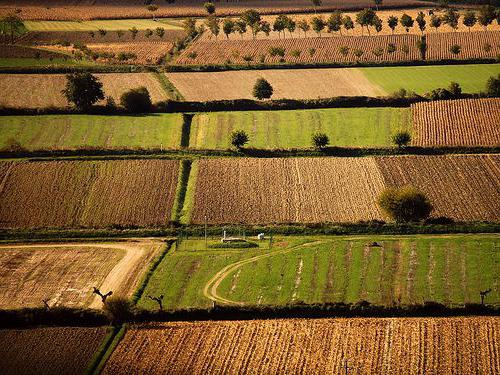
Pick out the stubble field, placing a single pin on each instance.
(61, 350)
(87, 193)
(312, 346)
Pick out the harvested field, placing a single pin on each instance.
(61, 10)
(312, 346)
(146, 52)
(289, 84)
(43, 90)
(108, 25)
(280, 190)
(480, 45)
(13, 51)
(62, 350)
(310, 50)
(462, 187)
(88, 193)
(465, 122)
(65, 274)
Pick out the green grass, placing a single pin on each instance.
(408, 269)
(76, 131)
(108, 25)
(421, 79)
(350, 127)
(43, 62)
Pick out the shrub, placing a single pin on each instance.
(378, 52)
(391, 48)
(262, 89)
(405, 204)
(296, 52)
(136, 100)
(239, 138)
(455, 49)
(455, 89)
(439, 94)
(320, 140)
(277, 51)
(311, 51)
(233, 245)
(493, 86)
(401, 139)
(118, 309)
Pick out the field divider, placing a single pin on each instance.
(168, 86)
(187, 120)
(180, 192)
(112, 343)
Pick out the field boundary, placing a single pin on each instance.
(168, 86)
(101, 351)
(117, 337)
(180, 194)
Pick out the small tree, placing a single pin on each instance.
(320, 141)
(209, 7)
(391, 48)
(377, 24)
(213, 24)
(241, 27)
(262, 89)
(365, 19)
(469, 19)
(451, 18)
(401, 139)
(118, 309)
(133, 31)
(228, 27)
(304, 26)
(189, 26)
(318, 24)
(392, 21)
(405, 204)
(348, 23)
(421, 22)
(406, 22)
(455, 49)
(136, 100)
(344, 50)
(12, 25)
(493, 86)
(239, 138)
(148, 33)
(252, 19)
(358, 53)
(436, 22)
(377, 3)
(279, 24)
(290, 25)
(334, 22)
(152, 8)
(160, 32)
(455, 89)
(486, 16)
(102, 32)
(422, 46)
(120, 33)
(83, 90)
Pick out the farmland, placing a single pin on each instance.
(312, 346)
(44, 90)
(83, 131)
(64, 274)
(85, 193)
(338, 189)
(108, 25)
(405, 270)
(54, 350)
(351, 127)
(466, 122)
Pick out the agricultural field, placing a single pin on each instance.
(108, 25)
(448, 269)
(289, 84)
(312, 190)
(311, 346)
(51, 350)
(63, 132)
(87, 193)
(349, 127)
(44, 90)
(465, 122)
(64, 274)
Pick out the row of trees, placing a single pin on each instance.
(366, 18)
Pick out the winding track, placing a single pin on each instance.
(210, 289)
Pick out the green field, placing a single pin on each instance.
(76, 131)
(409, 269)
(422, 79)
(348, 127)
(43, 62)
(108, 25)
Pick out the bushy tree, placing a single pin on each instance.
(239, 139)
(320, 140)
(348, 23)
(213, 24)
(334, 22)
(152, 8)
(455, 89)
(401, 139)
(377, 24)
(279, 24)
(209, 7)
(189, 26)
(136, 100)
(262, 89)
(290, 25)
(252, 18)
(406, 21)
(318, 24)
(118, 309)
(486, 16)
(421, 22)
(436, 22)
(265, 27)
(392, 22)
(451, 18)
(469, 19)
(160, 31)
(493, 86)
(422, 46)
(83, 90)
(365, 19)
(405, 204)
(455, 49)
(228, 27)
(241, 27)
(12, 25)
(304, 26)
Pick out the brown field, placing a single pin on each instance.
(146, 52)
(473, 45)
(465, 122)
(43, 90)
(312, 346)
(88, 193)
(62, 350)
(311, 190)
(462, 187)
(13, 51)
(289, 84)
(66, 273)
(287, 190)
(61, 10)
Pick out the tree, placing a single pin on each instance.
(320, 140)
(422, 46)
(348, 23)
(265, 27)
(365, 19)
(12, 26)
(377, 3)
(252, 19)
(316, 4)
(455, 89)
(377, 23)
(318, 24)
(405, 204)
(304, 26)
(239, 138)
(493, 86)
(228, 27)
(451, 18)
(290, 25)
(280, 24)
(262, 89)
(401, 139)
(406, 21)
(152, 8)
(160, 31)
(455, 49)
(436, 22)
(486, 16)
(136, 100)
(421, 22)
(241, 27)
(213, 24)
(209, 7)
(392, 21)
(334, 22)
(83, 90)
(469, 19)
(118, 309)
(189, 26)
(148, 33)
(344, 50)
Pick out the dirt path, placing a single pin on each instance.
(210, 289)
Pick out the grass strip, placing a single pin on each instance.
(188, 198)
(180, 192)
(100, 353)
(168, 86)
(187, 120)
(110, 349)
